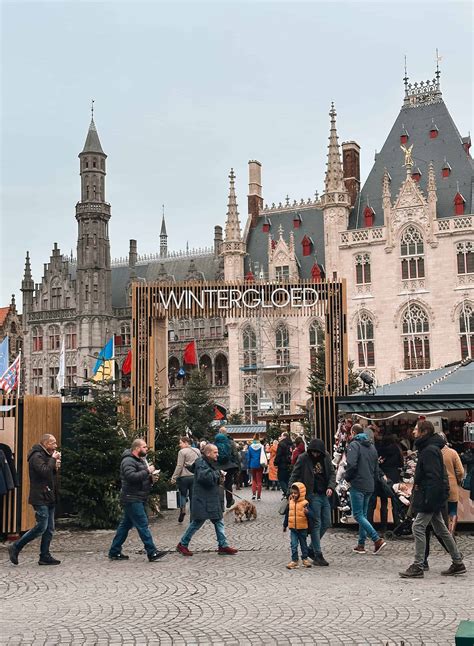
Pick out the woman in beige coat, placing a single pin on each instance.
(455, 470)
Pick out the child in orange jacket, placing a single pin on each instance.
(296, 518)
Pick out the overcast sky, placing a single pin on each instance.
(184, 91)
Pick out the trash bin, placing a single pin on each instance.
(465, 634)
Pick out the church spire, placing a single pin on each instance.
(232, 225)
(233, 248)
(334, 174)
(92, 144)
(163, 236)
(27, 288)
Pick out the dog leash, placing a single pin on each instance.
(233, 494)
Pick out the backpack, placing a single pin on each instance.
(225, 449)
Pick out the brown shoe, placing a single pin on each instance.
(227, 550)
(379, 545)
(360, 549)
(292, 565)
(182, 549)
(455, 569)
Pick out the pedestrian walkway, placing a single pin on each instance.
(248, 599)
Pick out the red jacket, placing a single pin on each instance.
(297, 452)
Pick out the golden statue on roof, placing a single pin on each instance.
(408, 157)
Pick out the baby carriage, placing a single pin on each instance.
(399, 494)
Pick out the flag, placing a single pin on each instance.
(4, 353)
(190, 354)
(104, 366)
(218, 414)
(127, 364)
(61, 376)
(9, 379)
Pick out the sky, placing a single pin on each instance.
(185, 91)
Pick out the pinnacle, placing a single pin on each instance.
(92, 144)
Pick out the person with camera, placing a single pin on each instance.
(43, 463)
(137, 479)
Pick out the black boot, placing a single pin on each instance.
(320, 560)
(48, 560)
(13, 552)
(182, 514)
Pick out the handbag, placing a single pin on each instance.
(283, 507)
(263, 458)
(466, 483)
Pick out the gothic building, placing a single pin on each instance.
(403, 241)
(10, 325)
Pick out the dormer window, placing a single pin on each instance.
(274, 244)
(446, 170)
(404, 136)
(316, 273)
(307, 245)
(369, 216)
(459, 204)
(266, 225)
(416, 174)
(249, 276)
(297, 221)
(434, 131)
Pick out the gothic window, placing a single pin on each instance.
(205, 365)
(94, 163)
(282, 342)
(94, 191)
(87, 191)
(465, 257)
(86, 163)
(71, 338)
(71, 372)
(221, 370)
(37, 336)
(283, 400)
(125, 333)
(173, 367)
(37, 381)
(362, 263)
(316, 338)
(199, 328)
(249, 341)
(466, 330)
(250, 406)
(365, 340)
(184, 329)
(215, 327)
(96, 292)
(86, 294)
(56, 293)
(54, 334)
(45, 303)
(412, 254)
(283, 272)
(416, 338)
(53, 384)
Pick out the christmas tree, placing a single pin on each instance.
(91, 462)
(317, 375)
(197, 409)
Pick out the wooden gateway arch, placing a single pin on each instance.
(153, 303)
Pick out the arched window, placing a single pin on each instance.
(365, 340)
(125, 333)
(249, 341)
(184, 327)
(56, 294)
(215, 327)
(282, 342)
(37, 336)
(54, 335)
(199, 328)
(316, 341)
(465, 257)
(416, 339)
(221, 370)
(466, 330)
(71, 338)
(362, 263)
(412, 253)
(173, 367)
(205, 365)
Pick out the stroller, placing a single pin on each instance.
(399, 494)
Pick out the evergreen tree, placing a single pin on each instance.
(91, 461)
(317, 375)
(236, 418)
(197, 409)
(167, 433)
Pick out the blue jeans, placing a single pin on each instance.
(298, 537)
(321, 508)
(193, 527)
(360, 504)
(134, 515)
(44, 527)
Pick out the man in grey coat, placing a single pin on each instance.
(207, 501)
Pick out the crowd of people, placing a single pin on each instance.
(366, 465)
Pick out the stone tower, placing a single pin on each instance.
(234, 248)
(27, 288)
(94, 294)
(163, 239)
(335, 200)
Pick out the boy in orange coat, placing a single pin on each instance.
(296, 518)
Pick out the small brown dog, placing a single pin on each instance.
(243, 509)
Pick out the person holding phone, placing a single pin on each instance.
(44, 461)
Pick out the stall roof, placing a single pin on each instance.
(456, 379)
(234, 429)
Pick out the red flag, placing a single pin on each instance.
(218, 414)
(190, 354)
(127, 364)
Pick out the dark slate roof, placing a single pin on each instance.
(456, 379)
(92, 144)
(176, 268)
(448, 144)
(311, 225)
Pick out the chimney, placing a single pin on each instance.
(351, 168)
(132, 254)
(217, 240)
(255, 200)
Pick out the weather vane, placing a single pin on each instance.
(92, 108)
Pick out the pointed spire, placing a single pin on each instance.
(232, 225)
(27, 274)
(163, 224)
(334, 174)
(431, 179)
(386, 184)
(92, 144)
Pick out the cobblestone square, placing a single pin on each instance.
(248, 599)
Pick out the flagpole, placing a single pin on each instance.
(113, 363)
(17, 422)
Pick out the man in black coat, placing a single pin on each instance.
(430, 493)
(207, 501)
(283, 461)
(315, 470)
(43, 464)
(136, 477)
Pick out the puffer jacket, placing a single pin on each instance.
(135, 477)
(208, 495)
(297, 518)
(43, 477)
(362, 469)
(431, 489)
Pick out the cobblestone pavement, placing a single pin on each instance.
(248, 599)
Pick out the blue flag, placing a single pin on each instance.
(103, 368)
(4, 352)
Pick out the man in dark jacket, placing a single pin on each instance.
(283, 461)
(362, 471)
(43, 464)
(136, 477)
(315, 470)
(429, 497)
(208, 501)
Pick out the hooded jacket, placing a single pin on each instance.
(135, 477)
(431, 489)
(228, 452)
(283, 454)
(297, 510)
(43, 477)
(303, 470)
(254, 455)
(362, 469)
(207, 500)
